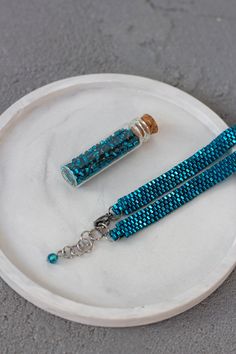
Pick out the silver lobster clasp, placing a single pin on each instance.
(101, 224)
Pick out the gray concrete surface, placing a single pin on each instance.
(188, 43)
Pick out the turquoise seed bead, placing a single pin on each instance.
(52, 258)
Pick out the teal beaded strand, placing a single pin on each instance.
(177, 175)
(175, 199)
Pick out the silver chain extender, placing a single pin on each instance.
(87, 238)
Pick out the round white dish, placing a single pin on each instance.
(156, 274)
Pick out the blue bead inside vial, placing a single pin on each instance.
(109, 150)
(99, 156)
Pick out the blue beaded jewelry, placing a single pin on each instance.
(175, 199)
(177, 175)
(174, 189)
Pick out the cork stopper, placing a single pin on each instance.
(144, 127)
(151, 123)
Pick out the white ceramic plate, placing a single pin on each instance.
(156, 274)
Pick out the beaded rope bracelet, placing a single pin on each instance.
(174, 189)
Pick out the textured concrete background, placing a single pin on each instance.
(190, 44)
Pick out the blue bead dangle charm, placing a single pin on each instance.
(109, 150)
(52, 258)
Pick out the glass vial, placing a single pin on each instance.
(109, 150)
